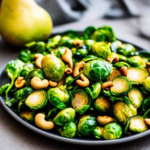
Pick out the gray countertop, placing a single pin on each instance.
(14, 136)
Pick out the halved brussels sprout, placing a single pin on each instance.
(137, 61)
(36, 100)
(80, 101)
(137, 75)
(135, 124)
(102, 105)
(114, 74)
(86, 125)
(146, 84)
(68, 130)
(98, 36)
(27, 115)
(58, 98)
(53, 67)
(126, 49)
(97, 69)
(112, 131)
(115, 45)
(135, 97)
(89, 31)
(121, 111)
(100, 49)
(121, 86)
(98, 132)
(64, 116)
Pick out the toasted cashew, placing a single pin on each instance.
(42, 123)
(84, 82)
(52, 83)
(107, 84)
(148, 66)
(68, 70)
(38, 84)
(38, 60)
(147, 121)
(103, 120)
(77, 68)
(124, 70)
(19, 83)
(78, 43)
(112, 58)
(67, 57)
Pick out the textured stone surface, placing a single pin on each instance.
(14, 136)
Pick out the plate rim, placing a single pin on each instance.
(73, 140)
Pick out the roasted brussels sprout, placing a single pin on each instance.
(89, 31)
(121, 86)
(34, 73)
(121, 111)
(98, 132)
(54, 41)
(135, 124)
(27, 115)
(89, 58)
(112, 131)
(53, 67)
(68, 130)
(114, 74)
(126, 49)
(137, 75)
(26, 69)
(89, 43)
(86, 125)
(115, 45)
(146, 104)
(97, 69)
(98, 36)
(58, 51)
(102, 105)
(135, 97)
(100, 49)
(80, 101)
(64, 116)
(23, 93)
(26, 56)
(37, 100)
(80, 53)
(146, 84)
(58, 98)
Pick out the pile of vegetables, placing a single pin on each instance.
(81, 86)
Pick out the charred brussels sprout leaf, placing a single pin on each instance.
(100, 49)
(98, 132)
(27, 115)
(121, 112)
(58, 98)
(112, 131)
(64, 116)
(34, 73)
(23, 93)
(80, 101)
(97, 69)
(121, 86)
(68, 130)
(137, 75)
(53, 67)
(135, 124)
(102, 105)
(135, 97)
(37, 100)
(86, 125)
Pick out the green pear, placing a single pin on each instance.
(23, 21)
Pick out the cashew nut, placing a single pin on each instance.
(20, 82)
(124, 70)
(67, 57)
(38, 60)
(68, 71)
(148, 66)
(52, 83)
(103, 120)
(77, 43)
(38, 84)
(84, 82)
(147, 121)
(42, 123)
(77, 68)
(107, 84)
(112, 58)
